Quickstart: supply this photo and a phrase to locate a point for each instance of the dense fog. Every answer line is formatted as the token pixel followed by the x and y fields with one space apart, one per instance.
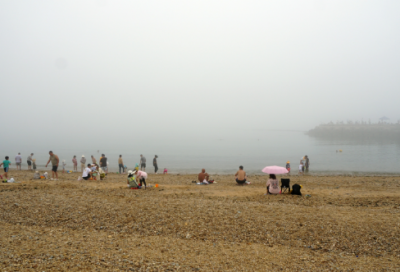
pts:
pixel 146 75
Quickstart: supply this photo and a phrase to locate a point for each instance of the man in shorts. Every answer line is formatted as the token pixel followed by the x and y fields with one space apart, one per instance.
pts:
pixel 29 161
pixel 240 176
pixel 103 163
pixel 54 162
pixel 6 164
pixel 18 161
pixel 142 162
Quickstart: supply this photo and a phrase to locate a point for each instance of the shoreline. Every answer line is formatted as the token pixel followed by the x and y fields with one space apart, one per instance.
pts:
pixel 249 173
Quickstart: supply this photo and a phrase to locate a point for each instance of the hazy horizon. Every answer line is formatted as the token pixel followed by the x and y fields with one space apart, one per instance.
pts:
pixel 86 73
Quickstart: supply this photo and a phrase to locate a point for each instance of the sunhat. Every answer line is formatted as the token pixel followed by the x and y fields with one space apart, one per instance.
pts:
pixel 288 162
pixel 83 156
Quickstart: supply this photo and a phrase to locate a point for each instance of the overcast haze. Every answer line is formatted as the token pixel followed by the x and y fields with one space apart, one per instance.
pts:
pixel 142 70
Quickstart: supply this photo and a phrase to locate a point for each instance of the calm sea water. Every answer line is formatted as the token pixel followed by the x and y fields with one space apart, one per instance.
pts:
pixel 223 155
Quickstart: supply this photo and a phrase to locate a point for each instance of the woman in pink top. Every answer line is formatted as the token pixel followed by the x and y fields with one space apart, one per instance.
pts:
pixel 141 177
pixel 273 185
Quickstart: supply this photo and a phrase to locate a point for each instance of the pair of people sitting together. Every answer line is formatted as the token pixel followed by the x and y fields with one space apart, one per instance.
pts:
pixel 136 178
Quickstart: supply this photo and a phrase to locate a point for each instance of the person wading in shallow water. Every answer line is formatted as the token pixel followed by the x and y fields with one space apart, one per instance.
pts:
pixel 54 162
pixel 307 163
pixel 155 164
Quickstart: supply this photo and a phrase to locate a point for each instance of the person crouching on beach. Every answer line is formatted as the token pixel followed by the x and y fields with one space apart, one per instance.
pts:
pixel 86 172
pixel 241 176
pixel 273 185
pixel 95 170
pixel 288 166
pixel 141 177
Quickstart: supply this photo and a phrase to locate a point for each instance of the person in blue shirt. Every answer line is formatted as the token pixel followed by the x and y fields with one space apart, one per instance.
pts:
pixel 6 164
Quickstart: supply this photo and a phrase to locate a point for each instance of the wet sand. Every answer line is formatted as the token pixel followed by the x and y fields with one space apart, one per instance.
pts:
pixel 347 223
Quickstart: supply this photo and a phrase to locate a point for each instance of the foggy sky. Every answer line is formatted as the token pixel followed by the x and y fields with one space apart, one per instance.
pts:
pixel 111 70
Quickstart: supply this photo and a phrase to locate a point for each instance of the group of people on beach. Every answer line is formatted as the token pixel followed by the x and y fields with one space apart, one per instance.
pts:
pixel 136 178
pixel 55 161
pixel 272 185
pixel 303 166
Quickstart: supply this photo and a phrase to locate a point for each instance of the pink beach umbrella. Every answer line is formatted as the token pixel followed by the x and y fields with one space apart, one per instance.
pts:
pixel 275 170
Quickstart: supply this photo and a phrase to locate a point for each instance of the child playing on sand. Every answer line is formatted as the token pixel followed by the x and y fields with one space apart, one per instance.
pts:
pixel 165 171
pixel 64 164
pixel 141 176
pixel 131 180
pixel 95 171
pixel 288 166
pixel 301 168
pixel 6 164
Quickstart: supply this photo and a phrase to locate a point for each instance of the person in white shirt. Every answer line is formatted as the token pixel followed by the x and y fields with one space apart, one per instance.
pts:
pixel 86 172
pixel 301 167
pixel 18 161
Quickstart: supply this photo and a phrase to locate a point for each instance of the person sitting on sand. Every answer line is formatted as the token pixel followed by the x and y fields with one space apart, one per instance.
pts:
pixel 86 172
pixel 36 175
pixel 203 177
pixel 240 176
pixel 141 176
pixel 273 185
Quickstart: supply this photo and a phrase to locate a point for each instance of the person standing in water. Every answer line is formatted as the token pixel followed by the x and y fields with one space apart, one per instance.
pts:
pixel 121 164
pixel 307 163
pixel 142 162
pixel 54 162
pixel 288 167
pixel 29 161
pixel 75 163
pixel 83 161
pixel 155 164
pixel 18 161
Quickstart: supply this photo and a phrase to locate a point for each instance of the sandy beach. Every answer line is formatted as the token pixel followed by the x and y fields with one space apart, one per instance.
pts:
pixel 348 223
